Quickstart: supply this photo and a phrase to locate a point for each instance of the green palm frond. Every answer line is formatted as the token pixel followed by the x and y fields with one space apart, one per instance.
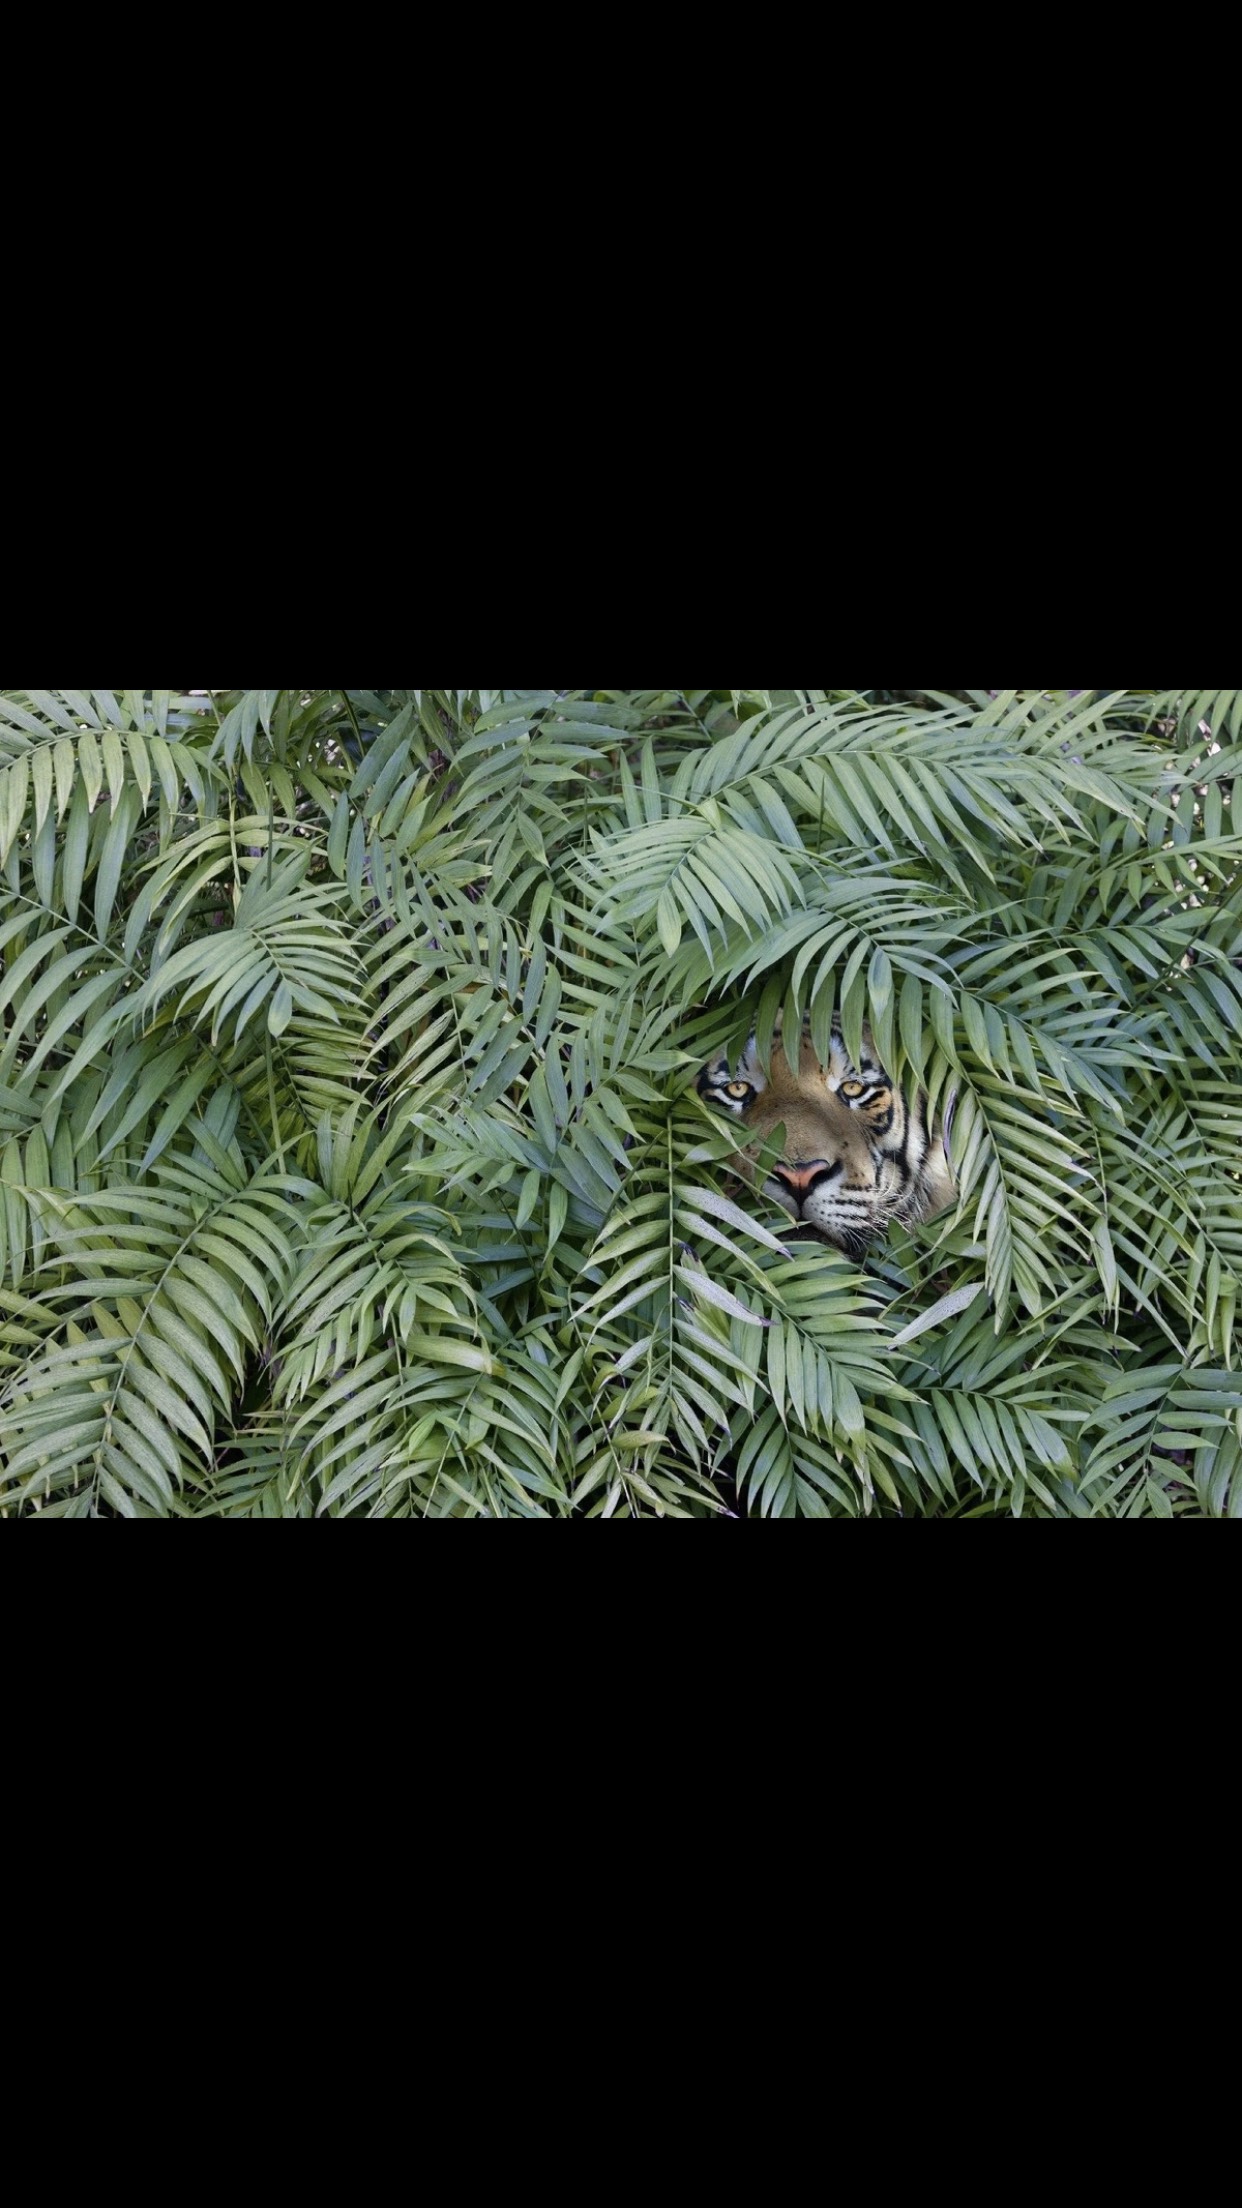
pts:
pixel 162 1294
pixel 350 1163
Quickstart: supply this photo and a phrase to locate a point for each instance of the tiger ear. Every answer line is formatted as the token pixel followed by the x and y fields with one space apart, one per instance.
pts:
pixel 939 1179
pixel 946 1130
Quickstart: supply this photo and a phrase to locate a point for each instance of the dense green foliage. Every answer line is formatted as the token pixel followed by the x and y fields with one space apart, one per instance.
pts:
pixel 350 1162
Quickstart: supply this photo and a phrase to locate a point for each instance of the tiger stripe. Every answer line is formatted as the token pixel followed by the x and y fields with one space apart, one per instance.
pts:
pixel 855 1157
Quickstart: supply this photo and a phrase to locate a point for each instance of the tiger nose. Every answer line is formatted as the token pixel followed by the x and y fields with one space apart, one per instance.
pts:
pixel 799 1179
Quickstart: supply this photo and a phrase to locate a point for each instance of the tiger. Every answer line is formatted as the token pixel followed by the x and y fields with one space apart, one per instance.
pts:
pixel 855 1158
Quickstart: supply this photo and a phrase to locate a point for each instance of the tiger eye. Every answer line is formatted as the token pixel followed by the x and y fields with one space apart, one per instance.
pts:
pixel 738 1088
pixel 851 1088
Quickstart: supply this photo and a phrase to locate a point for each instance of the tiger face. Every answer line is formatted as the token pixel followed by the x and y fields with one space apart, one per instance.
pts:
pixel 854 1158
